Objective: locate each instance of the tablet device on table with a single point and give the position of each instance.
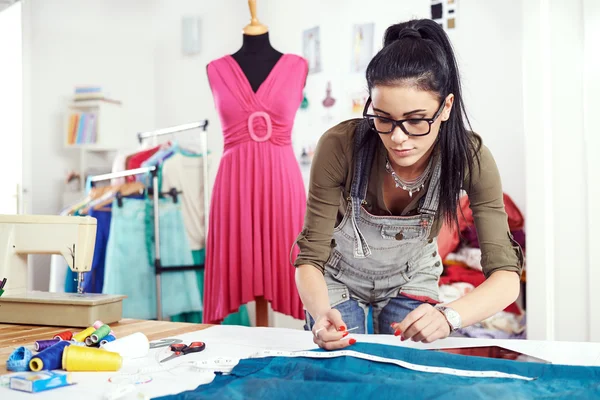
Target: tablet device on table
(495, 352)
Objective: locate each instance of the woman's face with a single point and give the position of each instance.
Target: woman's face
(408, 102)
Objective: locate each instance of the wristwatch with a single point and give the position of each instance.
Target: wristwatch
(452, 316)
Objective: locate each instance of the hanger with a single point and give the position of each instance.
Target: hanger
(255, 28)
(124, 190)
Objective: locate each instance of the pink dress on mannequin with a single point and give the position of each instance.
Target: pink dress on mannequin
(258, 199)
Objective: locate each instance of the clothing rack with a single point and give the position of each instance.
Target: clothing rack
(174, 129)
(158, 267)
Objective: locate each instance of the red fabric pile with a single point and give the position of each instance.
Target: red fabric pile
(449, 241)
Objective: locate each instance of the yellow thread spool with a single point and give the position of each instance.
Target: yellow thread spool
(80, 337)
(76, 358)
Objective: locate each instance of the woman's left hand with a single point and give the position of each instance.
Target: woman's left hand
(424, 324)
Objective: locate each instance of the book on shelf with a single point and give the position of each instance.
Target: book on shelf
(82, 128)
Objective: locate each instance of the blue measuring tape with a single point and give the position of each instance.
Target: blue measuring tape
(19, 359)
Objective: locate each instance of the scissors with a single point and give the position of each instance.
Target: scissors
(183, 349)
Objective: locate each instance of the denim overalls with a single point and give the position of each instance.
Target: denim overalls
(387, 262)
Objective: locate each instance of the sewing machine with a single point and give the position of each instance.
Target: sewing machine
(74, 239)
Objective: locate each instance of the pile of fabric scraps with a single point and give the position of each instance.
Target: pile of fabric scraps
(461, 255)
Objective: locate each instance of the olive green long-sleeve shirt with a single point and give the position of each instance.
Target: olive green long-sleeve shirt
(331, 180)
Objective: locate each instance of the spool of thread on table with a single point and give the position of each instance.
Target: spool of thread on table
(88, 341)
(41, 345)
(100, 333)
(98, 324)
(80, 344)
(49, 359)
(107, 339)
(66, 335)
(76, 358)
(135, 345)
(80, 337)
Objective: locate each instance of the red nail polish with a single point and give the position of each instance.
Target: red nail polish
(352, 341)
(402, 338)
(342, 328)
(397, 333)
(345, 334)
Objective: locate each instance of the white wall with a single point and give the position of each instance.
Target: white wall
(488, 53)
(11, 110)
(181, 86)
(591, 19)
(562, 168)
(74, 42)
(490, 58)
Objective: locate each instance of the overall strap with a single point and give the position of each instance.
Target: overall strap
(364, 154)
(432, 199)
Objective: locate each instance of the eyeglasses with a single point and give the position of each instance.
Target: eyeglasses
(411, 126)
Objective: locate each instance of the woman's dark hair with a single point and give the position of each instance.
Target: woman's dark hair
(419, 53)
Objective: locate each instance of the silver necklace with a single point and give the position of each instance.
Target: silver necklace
(410, 186)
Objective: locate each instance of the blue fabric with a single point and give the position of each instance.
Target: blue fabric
(94, 280)
(129, 266)
(19, 359)
(352, 378)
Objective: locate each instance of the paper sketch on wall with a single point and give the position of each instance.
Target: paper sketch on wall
(311, 44)
(444, 12)
(362, 47)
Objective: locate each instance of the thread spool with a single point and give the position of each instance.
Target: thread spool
(89, 342)
(107, 339)
(74, 343)
(49, 359)
(100, 333)
(66, 335)
(98, 324)
(132, 346)
(90, 359)
(80, 337)
(41, 345)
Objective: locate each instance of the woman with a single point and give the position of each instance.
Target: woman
(381, 188)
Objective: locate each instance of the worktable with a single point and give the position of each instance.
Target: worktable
(236, 342)
(13, 336)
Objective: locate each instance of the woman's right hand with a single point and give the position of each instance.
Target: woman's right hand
(330, 332)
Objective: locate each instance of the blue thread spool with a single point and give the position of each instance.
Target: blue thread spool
(49, 359)
(108, 338)
(41, 345)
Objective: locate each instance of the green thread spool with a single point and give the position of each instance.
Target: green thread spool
(100, 333)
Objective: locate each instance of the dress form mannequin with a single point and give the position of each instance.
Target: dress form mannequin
(257, 92)
(256, 58)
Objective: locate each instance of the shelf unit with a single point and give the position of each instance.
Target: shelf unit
(105, 132)
(97, 140)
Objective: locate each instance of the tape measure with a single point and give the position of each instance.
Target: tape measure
(226, 365)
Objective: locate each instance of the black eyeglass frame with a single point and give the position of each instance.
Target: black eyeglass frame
(400, 122)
